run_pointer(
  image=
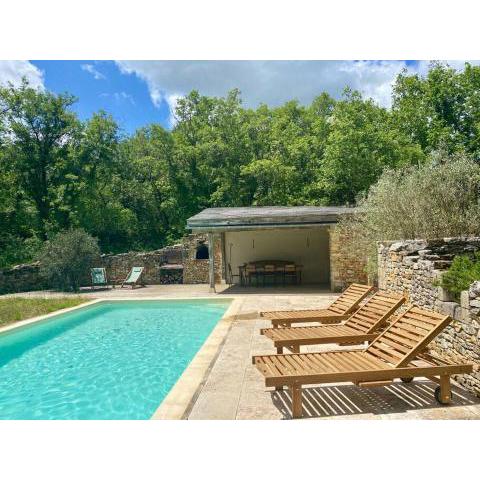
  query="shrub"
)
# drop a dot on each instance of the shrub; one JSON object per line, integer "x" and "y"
{"x": 14, "y": 250}
{"x": 65, "y": 260}
{"x": 465, "y": 269}
{"x": 435, "y": 200}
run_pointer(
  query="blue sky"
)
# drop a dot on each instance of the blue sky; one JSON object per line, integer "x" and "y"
{"x": 101, "y": 85}
{"x": 137, "y": 93}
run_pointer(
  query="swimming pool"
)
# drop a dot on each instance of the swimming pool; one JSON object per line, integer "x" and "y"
{"x": 110, "y": 360}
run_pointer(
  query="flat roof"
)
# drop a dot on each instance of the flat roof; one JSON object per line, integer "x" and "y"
{"x": 255, "y": 218}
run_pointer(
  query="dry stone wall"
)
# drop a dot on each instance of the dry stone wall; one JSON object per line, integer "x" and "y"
{"x": 160, "y": 266}
{"x": 346, "y": 266}
{"x": 169, "y": 265}
{"x": 21, "y": 278}
{"x": 412, "y": 268}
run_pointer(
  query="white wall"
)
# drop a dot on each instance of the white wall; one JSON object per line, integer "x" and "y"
{"x": 307, "y": 247}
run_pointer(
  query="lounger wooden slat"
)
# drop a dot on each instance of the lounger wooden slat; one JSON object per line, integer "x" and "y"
{"x": 348, "y": 362}
{"x": 402, "y": 332}
{"x": 338, "y": 311}
{"x": 395, "y": 345}
{"x": 389, "y": 356}
{"x": 372, "y": 309}
{"x": 367, "y": 362}
{"x": 295, "y": 366}
{"x": 362, "y": 326}
{"x": 405, "y": 341}
{"x": 384, "y": 354}
{"x": 422, "y": 318}
{"x": 324, "y": 366}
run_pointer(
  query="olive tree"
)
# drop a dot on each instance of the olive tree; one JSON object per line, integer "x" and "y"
{"x": 435, "y": 200}
{"x": 66, "y": 259}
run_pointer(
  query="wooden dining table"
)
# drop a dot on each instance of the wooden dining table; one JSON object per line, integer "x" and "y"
{"x": 263, "y": 269}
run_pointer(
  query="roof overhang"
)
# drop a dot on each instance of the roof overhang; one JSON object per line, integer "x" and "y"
{"x": 263, "y": 218}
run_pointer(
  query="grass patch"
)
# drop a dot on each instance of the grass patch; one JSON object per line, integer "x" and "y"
{"x": 14, "y": 309}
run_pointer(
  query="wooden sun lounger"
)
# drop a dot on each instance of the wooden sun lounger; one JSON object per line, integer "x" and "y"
{"x": 362, "y": 326}
{"x": 395, "y": 353}
{"x": 338, "y": 311}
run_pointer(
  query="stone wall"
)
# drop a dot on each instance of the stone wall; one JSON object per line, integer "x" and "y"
{"x": 196, "y": 270}
{"x": 21, "y": 278}
{"x": 154, "y": 263}
{"x": 171, "y": 264}
{"x": 412, "y": 268}
{"x": 346, "y": 266}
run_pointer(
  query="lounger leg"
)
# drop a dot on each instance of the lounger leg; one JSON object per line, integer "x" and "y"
{"x": 279, "y": 350}
{"x": 445, "y": 392}
{"x": 296, "y": 391}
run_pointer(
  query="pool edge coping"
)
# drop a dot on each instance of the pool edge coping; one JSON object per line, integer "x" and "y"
{"x": 40, "y": 318}
{"x": 182, "y": 396}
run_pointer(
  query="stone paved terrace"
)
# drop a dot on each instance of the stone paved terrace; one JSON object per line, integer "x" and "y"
{"x": 233, "y": 389}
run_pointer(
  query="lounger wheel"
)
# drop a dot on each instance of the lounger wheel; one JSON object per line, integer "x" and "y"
{"x": 406, "y": 379}
{"x": 438, "y": 398}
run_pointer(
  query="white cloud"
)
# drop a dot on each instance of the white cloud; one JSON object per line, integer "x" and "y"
{"x": 172, "y": 101}
{"x": 270, "y": 82}
{"x": 119, "y": 97}
{"x": 14, "y": 70}
{"x": 88, "y": 67}
{"x": 123, "y": 97}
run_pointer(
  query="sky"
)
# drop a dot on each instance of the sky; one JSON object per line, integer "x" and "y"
{"x": 137, "y": 93}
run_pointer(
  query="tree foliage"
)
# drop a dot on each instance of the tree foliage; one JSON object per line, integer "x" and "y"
{"x": 66, "y": 258}
{"x": 438, "y": 199}
{"x": 136, "y": 191}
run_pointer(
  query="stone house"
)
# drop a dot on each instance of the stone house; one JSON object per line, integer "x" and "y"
{"x": 305, "y": 236}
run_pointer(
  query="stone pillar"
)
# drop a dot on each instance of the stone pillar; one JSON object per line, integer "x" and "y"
{"x": 211, "y": 260}
{"x": 347, "y": 265}
{"x": 224, "y": 256}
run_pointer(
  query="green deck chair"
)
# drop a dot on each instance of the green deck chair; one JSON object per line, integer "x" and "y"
{"x": 134, "y": 278}
{"x": 99, "y": 277}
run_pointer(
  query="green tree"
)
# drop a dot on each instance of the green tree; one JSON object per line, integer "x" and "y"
{"x": 38, "y": 127}
{"x": 93, "y": 179}
{"x": 66, "y": 258}
{"x": 147, "y": 187}
{"x": 284, "y": 170}
{"x": 211, "y": 146}
{"x": 440, "y": 111}
{"x": 360, "y": 144}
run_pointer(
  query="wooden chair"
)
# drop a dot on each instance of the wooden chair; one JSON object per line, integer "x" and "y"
{"x": 338, "y": 311}
{"x": 251, "y": 272}
{"x": 231, "y": 275}
{"x": 269, "y": 272}
{"x": 290, "y": 271}
{"x": 398, "y": 352}
{"x": 362, "y": 326}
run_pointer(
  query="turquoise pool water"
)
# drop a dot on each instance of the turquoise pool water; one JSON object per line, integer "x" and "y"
{"x": 114, "y": 360}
